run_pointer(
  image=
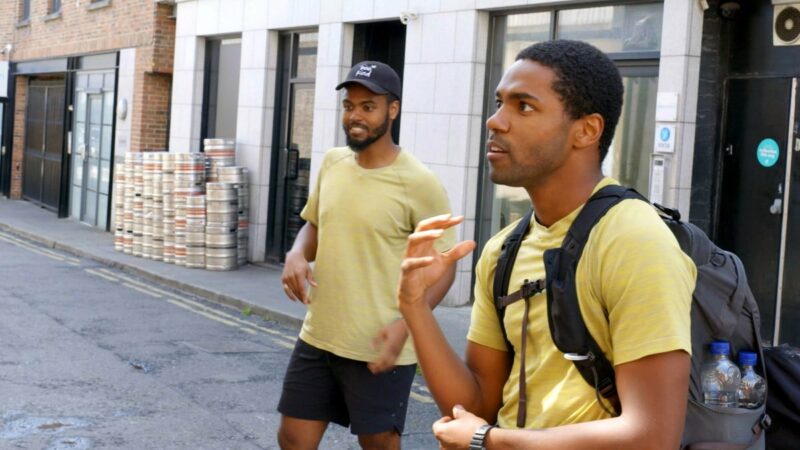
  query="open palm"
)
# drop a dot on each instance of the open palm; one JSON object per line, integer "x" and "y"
{"x": 422, "y": 264}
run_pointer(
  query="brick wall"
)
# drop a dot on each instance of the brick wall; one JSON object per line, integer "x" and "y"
{"x": 82, "y": 28}
{"x": 18, "y": 149}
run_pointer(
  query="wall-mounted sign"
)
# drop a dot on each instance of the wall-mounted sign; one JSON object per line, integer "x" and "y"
{"x": 768, "y": 152}
{"x": 665, "y": 138}
{"x": 667, "y": 106}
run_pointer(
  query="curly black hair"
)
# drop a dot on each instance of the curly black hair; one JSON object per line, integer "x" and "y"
{"x": 587, "y": 81}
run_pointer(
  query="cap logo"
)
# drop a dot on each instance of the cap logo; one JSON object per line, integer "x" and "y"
{"x": 365, "y": 70}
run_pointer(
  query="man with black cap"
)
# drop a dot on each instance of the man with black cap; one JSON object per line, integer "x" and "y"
{"x": 352, "y": 364}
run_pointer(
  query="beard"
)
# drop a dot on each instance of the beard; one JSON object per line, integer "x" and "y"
{"x": 358, "y": 145}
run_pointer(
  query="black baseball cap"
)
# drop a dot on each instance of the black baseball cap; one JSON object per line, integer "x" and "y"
{"x": 375, "y": 76}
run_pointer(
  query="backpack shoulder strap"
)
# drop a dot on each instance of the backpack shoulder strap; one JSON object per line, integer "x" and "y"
{"x": 567, "y": 326}
{"x": 505, "y": 263}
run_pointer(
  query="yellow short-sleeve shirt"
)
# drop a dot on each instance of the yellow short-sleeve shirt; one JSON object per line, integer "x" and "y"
{"x": 634, "y": 289}
{"x": 363, "y": 219}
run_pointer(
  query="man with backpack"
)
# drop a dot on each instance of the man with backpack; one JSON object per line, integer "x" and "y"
{"x": 557, "y": 107}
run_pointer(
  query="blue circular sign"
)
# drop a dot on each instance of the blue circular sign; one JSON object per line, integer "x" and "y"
{"x": 665, "y": 134}
{"x": 768, "y": 152}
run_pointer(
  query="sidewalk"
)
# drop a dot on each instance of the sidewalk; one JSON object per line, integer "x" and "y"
{"x": 251, "y": 286}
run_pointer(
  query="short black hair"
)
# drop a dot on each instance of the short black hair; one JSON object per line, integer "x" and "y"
{"x": 587, "y": 81}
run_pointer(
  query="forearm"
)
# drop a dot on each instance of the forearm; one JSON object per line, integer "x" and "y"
{"x": 449, "y": 379}
{"x": 306, "y": 242}
{"x": 610, "y": 434}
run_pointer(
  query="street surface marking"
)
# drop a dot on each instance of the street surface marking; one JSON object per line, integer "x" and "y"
{"x": 199, "y": 305}
{"x": 42, "y": 251}
{"x": 277, "y": 338}
{"x": 102, "y": 275}
{"x": 143, "y": 291}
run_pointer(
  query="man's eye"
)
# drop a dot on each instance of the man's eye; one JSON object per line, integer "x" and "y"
{"x": 368, "y": 108}
{"x": 524, "y": 107}
{"x": 498, "y": 104}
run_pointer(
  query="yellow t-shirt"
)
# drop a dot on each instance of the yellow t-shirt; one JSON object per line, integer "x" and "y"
{"x": 363, "y": 219}
{"x": 634, "y": 289}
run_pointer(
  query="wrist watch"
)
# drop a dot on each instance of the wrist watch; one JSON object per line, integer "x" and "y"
{"x": 479, "y": 438}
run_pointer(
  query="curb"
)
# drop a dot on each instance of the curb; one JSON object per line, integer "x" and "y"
{"x": 212, "y": 296}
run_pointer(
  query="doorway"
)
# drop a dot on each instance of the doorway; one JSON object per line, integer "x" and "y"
{"x": 44, "y": 142}
{"x": 92, "y": 144}
{"x": 384, "y": 42}
{"x": 5, "y": 153}
{"x": 291, "y": 157}
{"x": 759, "y": 205}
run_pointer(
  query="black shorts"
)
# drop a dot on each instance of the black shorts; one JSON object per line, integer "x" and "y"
{"x": 322, "y": 386}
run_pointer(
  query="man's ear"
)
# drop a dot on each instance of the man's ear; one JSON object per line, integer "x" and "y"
{"x": 394, "y": 109}
{"x": 590, "y": 129}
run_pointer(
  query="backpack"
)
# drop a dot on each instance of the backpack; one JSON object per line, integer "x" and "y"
{"x": 723, "y": 308}
{"x": 783, "y": 404}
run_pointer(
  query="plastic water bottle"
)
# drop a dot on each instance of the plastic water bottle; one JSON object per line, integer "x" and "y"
{"x": 752, "y": 389}
{"x": 721, "y": 377}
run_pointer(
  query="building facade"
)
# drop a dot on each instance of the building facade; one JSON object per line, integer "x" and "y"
{"x": 709, "y": 125}
{"x": 88, "y": 80}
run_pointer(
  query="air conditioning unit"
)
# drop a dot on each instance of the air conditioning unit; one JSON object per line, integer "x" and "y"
{"x": 786, "y": 24}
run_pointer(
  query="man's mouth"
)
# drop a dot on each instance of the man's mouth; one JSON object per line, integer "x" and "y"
{"x": 492, "y": 146}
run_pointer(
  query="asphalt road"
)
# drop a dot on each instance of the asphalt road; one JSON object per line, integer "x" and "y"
{"x": 93, "y": 358}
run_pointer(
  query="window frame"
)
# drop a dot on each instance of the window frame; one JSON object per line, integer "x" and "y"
{"x": 641, "y": 63}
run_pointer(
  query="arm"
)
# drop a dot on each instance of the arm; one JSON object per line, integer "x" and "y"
{"x": 652, "y": 392}
{"x": 392, "y": 337}
{"x": 479, "y": 382}
{"x": 296, "y": 270}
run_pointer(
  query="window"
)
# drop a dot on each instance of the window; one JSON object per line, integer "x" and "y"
{"x": 631, "y": 36}
{"x": 55, "y": 6}
{"x": 221, "y": 86}
{"x": 25, "y": 11}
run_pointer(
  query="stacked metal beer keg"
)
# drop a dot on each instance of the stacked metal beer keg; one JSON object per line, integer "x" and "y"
{"x": 138, "y": 205}
{"x": 238, "y": 176}
{"x": 158, "y": 207}
{"x": 148, "y": 170}
{"x": 119, "y": 207}
{"x": 166, "y": 211}
{"x": 189, "y": 180}
{"x": 243, "y": 230}
{"x": 221, "y": 238}
{"x": 219, "y": 153}
{"x": 128, "y": 203}
{"x": 168, "y": 200}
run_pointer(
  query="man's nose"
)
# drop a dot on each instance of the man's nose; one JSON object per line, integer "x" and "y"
{"x": 497, "y": 122}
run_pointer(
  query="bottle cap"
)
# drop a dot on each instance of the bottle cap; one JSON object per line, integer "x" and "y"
{"x": 747, "y": 358}
{"x": 720, "y": 348}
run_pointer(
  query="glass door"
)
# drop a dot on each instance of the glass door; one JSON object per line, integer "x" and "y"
{"x": 291, "y": 157}
{"x": 91, "y": 168}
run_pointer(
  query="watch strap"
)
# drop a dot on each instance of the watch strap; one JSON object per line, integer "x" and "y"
{"x": 479, "y": 438}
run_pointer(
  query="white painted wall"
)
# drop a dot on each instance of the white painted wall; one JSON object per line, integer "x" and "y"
{"x": 444, "y": 85}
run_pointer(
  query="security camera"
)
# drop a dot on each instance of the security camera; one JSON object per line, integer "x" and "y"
{"x": 730, "y": 10}
{"x": 408, "y": 16}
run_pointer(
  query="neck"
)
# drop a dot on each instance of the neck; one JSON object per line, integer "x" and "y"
{"x": 562, "y": 193}
{"x": 380, "y": 153}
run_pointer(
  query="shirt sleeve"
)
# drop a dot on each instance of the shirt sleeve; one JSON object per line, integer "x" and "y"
{"x": 433, "y": 201}
{"x": 310, "y": 212}
{"x": 484, "y": 327}
{"x": 646, "y": 282}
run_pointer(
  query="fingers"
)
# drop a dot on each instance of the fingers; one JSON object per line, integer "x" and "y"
{"x": 289, "y": 292}
{"x": 310, "y": 278}
{"x": 410, "y": 264}
{"x": 458, "y": 410}
{"x": 459, "y": 251}
{"x": 442, "y": 221}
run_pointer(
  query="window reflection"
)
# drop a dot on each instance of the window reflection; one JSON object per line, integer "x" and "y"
{"x": 614, "y": 29}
